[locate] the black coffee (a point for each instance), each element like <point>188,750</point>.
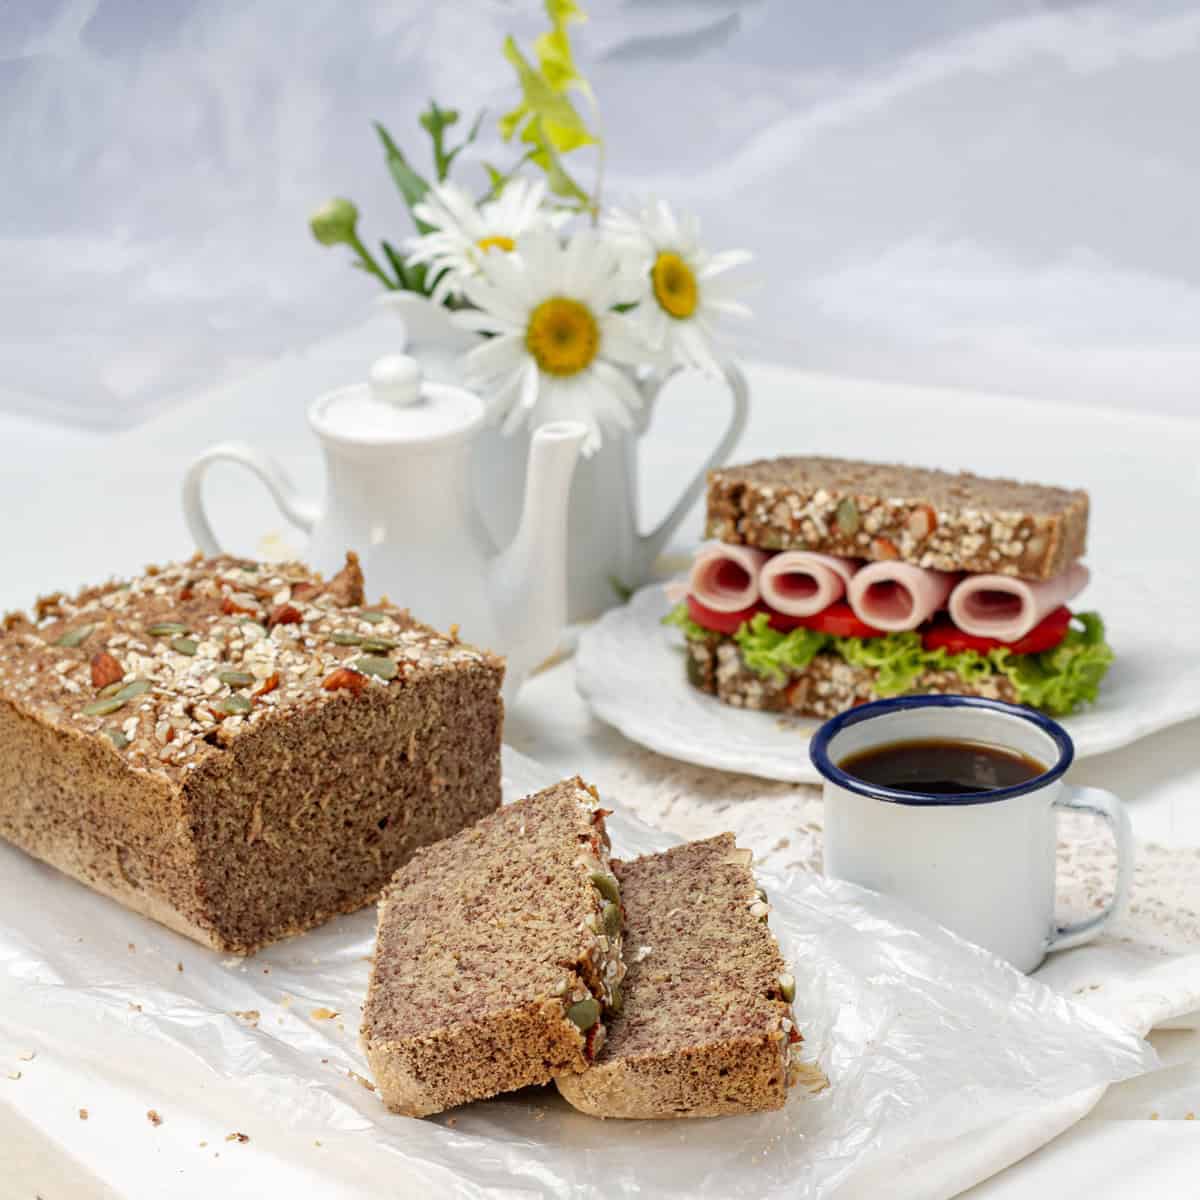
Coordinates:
<point>941,767</point>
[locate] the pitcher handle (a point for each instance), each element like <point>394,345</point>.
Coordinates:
<point>650,544</point>
<point>1105,805</point>
<point>300,512</point>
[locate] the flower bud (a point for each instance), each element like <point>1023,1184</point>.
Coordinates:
<point>334,221</point>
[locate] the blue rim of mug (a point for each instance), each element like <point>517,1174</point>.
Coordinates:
<point>819,749</point>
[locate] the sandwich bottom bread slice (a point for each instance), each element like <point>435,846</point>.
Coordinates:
<point>498,955</point>
<point>705,1026</point>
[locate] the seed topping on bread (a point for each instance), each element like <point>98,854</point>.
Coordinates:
<point>171,666</point>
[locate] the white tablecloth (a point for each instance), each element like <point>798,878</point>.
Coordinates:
<point>79,507</point>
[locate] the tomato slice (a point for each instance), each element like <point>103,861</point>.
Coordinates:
<point>839,620</point>
<point>1044,636</point>
<point>719,622</point>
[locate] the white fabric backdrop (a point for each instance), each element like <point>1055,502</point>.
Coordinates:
<point>996,193</point>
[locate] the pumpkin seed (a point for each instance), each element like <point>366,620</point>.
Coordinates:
<point>606,885</point>
<point>617,1002</point>
<point>118,739</point>
<point>135,687</point>
<point>376,645</point>
<point>584,1013</point>
<point>343,637</point>
<point>372,618</point>
<point>102,708</point>
<point>235,679</point>
<point>233,706</point>
<point>787,987</point>
<point>166,629</point>
<point>612,919</point>
<point>847,516</point>
<point>111,689</point>
<point>383,668</point>
<point>182,645</point>
<point>73,637</point>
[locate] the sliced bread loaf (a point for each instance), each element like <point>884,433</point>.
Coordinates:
<point>498,952</point>
<point>706,1026</point>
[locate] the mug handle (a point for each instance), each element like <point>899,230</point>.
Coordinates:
<point>1107,806</point>
<point>302,513</point>
<point>650,544</point>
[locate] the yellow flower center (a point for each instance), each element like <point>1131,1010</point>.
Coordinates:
<point>562,336</point>
<point>496,241</point>
<point>675,286</point>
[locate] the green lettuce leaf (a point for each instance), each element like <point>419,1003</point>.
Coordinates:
<point>1056,681</point>
<point>769,652</point>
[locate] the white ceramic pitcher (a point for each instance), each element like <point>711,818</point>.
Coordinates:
<point>607,554</point>
<point>398,491</point>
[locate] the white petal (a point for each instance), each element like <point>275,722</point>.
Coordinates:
<point>483,322</point>
<point>497,356</point>
<point>725,261</point>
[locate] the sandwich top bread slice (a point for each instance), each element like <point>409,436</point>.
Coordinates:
<point>950,521</point>
<point>706,1025</point>
<point>837,582</point>
<point>498,956</point>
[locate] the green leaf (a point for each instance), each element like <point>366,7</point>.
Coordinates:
<point>553,119</point>
<point>558,179</point>
<point>412,186</point>
<point>1056,681</point>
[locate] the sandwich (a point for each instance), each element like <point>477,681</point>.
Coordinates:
<point>705,1026</point>
<point>498,956</point>
<point>832,582</point>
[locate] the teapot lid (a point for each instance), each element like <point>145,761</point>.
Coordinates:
<point>396,405</point>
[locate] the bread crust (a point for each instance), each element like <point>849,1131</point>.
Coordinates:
<point>827,686</point>
<point>936,519</point>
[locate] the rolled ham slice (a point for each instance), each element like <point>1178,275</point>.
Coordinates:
<point>725,578</point>
<point>998,606</point>
<point>896,596</point>
<point>801,583</point>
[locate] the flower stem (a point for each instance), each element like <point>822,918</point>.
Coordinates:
<point>369,264</point>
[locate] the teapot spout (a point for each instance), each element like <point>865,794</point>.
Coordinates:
<point>529,578</point>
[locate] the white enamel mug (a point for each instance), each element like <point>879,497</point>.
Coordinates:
<point>981,864</point>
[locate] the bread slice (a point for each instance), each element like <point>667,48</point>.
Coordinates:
<point>498,952</point>
<point>239,751</point>
<point>706,1025</point>
<point>938,519</point>
<point>827,686</point>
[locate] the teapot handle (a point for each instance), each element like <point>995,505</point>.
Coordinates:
<point>302,513</point>
<point>650,545</point>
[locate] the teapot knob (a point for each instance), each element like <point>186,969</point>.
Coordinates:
<point>395,379</point>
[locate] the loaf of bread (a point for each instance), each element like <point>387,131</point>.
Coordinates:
<point>706,1025</point>
<point>937,519</point>
<point>498,954</point>
<point>239,751</point>
<point>828,685</point>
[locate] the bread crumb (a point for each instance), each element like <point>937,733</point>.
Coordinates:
<point>361,1079</point>
<point>285,1000</point>
<point>1154,1116</point>
<point>27,1055</point>
<point>153,1117</point>
<point>132,948</point>
<point>135,1007</point>
<point>1189,1116</point>
<point>237,1137</point>
<point>316,1143</point>
<point>323,1014</point>
<point>452,1122</point>
<point>203,1145</point>
<point>179,966</point>
<point>14,1074</point>
<point>249,1015</point>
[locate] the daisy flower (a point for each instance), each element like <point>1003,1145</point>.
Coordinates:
<point>557,347</point>
<point>465,232</point>
<point>684,292</point>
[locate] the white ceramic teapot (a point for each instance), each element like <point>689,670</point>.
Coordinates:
<point>398,491</point>
<point>607,554</point>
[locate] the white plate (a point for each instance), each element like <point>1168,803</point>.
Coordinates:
<point>630,671</point>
